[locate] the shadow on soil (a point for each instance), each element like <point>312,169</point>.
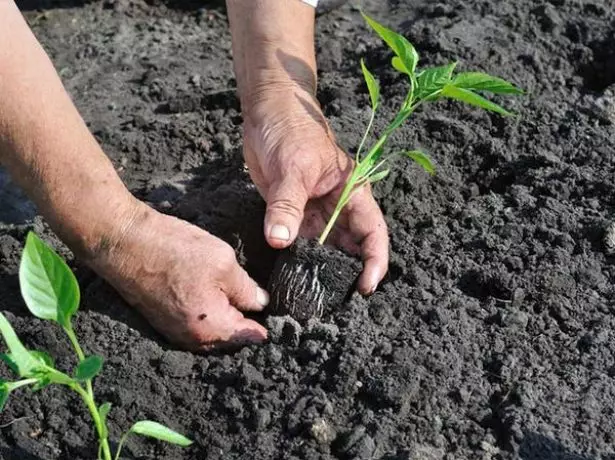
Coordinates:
<point>538,447</point>
<point>16,454</point>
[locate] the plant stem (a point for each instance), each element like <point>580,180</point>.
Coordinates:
<point>100,428</point>
<point>73,339</point>
<point>344,197</point>
<point>369,128</point>
<point>88,397</point>
<point>21,383</point>
<point>121,445</point>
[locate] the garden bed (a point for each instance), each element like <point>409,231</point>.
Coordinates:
<point>492,336</point>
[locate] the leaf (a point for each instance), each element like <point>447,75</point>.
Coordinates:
<point>157,431</point>
<point>4,394</point>
<point>27,365</point>
<point>469,97</point>
<point>398,65</point>
<point>43,357</point>
<point>10,362</point>
<point>408,57</point>
<point>48,286</point>
<point>103,411</point>
<point>422,159</point>
<point>379,176</point>
<point>43,382</point>
<point>88,368</point>
<point>431,81</point>
<point>479,81</point>
<point>372,85</point>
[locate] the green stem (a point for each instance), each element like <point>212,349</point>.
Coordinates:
<point>21,383</point>
<point>121,445</point>
<point>369,128</point>
<point>88,397</point>
<point>100,428</point>
<point>73,339</point>
<point>338,208</point>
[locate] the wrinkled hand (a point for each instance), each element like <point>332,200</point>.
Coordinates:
<point>300,171</point>
<point>186,282</point>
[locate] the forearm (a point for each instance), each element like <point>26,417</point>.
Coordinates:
<point>48,149</point>
<point>273,46</point>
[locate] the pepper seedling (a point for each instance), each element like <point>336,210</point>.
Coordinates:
<point>51,292</point>
<point>426,85</point>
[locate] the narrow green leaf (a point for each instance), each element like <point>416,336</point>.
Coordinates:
<point>422,159</point>
<point>157,431</point>
<point>48,286</point>
<point>408,57</point>
<point>27,365</point>
<point>372,85</point>
<point>469,97</point>
<point>103,411</point>
<point>4,394</point>
<point>479,81</point>
<point>431,81</point>
<point>10,362</point>
<point>88,368</point>
<point>379,176</point>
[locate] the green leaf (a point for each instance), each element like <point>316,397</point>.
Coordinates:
<point>48,286</point>
<point>408,57</point>
<point>27,365</point>
<point>422,159</point>
<point>43,382</point>
<point>431,81</point>
<point>88,368</point>
<point>372,85</point>
<point>4,394</point>
<point>398,65</point>
<point>469,97</point>
<point>479,81</point>
<point>157,431</point>
<point>103,411</point>
<point>379,176</point>
<point>10,362</point>
<point>43,357</point>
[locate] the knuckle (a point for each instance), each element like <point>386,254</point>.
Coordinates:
<point>224,255</point>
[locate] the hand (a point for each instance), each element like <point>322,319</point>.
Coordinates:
<point>186,282</point>
<point>300,172</point>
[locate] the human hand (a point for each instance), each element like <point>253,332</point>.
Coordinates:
<point>300,171</point>
<point>186,282</point>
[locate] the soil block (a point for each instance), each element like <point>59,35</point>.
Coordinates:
<point>309,279</point>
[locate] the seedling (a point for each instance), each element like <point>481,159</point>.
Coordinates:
<point>426,85</point>
<point>51,292</point>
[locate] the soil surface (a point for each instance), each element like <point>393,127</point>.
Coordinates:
<point>493,335</point>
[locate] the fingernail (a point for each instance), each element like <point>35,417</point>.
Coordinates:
<point>374,284</point>
<point>280,232</point>
<point>262,297</point>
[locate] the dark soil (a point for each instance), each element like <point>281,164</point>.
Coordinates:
<point>492,337</point>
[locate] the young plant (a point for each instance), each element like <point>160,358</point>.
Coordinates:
<point>51,292</point>
<point>426,85</point>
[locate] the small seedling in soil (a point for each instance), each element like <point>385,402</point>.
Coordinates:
<point>51,292</point>
<point>296,285</point>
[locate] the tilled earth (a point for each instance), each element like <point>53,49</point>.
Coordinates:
<point>492,337</point>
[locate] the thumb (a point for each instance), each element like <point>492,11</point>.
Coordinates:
<point>286,202</point>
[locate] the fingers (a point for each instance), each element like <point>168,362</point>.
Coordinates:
<point>367,223</point>
<point>224,326</point>
<point>243,292</point>
<point>286,200</point>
